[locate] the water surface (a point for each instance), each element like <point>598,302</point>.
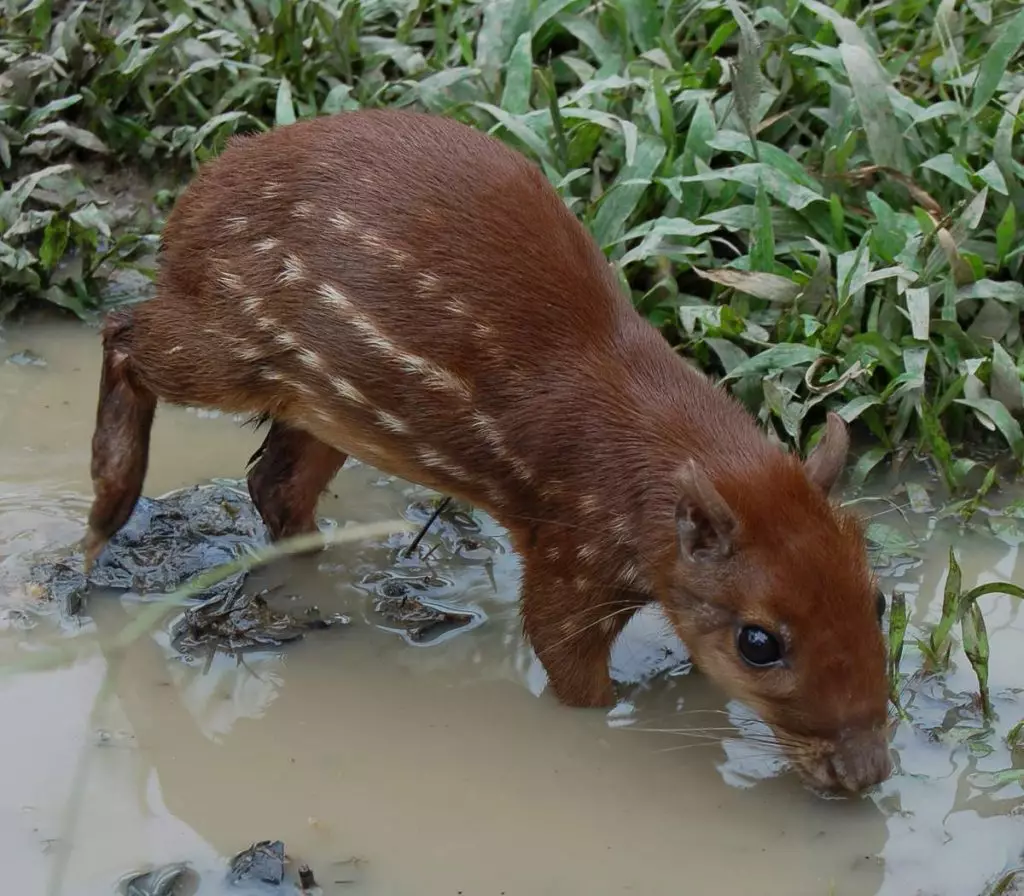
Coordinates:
<point>446,768</point>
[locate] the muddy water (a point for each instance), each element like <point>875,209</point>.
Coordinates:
<point>396,769</point>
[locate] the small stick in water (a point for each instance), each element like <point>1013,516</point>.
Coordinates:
<point>419,537</point>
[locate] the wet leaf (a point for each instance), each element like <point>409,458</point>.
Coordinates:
<point>996,413</point>
<point>976,648</point>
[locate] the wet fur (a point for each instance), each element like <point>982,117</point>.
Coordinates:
<point>646,481</point>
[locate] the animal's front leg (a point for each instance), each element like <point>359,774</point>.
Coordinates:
<point>572,628</point>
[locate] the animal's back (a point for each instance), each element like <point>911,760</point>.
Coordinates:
<point>404,287</point>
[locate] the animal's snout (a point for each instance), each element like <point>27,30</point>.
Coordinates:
<point>861,760</point>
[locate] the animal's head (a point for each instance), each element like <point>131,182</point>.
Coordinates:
<point>773,594</point>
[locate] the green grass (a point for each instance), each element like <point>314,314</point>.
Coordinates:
<point>820,202</point>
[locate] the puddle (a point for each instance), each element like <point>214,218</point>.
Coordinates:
<point>394,765</point>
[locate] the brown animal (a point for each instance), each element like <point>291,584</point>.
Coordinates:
<point>405,289</point>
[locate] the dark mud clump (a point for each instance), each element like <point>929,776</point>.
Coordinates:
<point>165,543</point>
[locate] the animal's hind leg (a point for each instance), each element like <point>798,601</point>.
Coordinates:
<point>289,472</point>
<point>120,442</point>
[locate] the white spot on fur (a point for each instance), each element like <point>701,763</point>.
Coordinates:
<point>587,552</point>
<point>620,525</point>
<point>333,296</point>
<point>235,224</point>
<point>270,190</point>
<point>569,628</point>
<point>427,282</point>
<point>175,350</point>
<point>553,553</point>
<point>252,304</point>
<point>431,373</point>
<point>247,352</point>
<point>629,574</point>
<point>400,259</point>
<point>344,388</point>
<point>391,422</point>
<point>231,282</point>
<point>589,504</point>
<point>455,306</point>
<point>286,339</point>
<point>488,428</point>
<point>343,221</point>
<point>581,583</point>
<point>268,244</point>
<point>609,624</point>
<point>436,461</point>
<point>304,209</point>
<point>483,331</point>
<point>372,335</point>
<point>372,241</point>
<point>311,359</point>
<point>267,323</point>
<point>291,269</point>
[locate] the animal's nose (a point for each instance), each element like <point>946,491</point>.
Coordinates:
<point>861,760</point>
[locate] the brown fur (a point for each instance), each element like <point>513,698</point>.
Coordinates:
<point>302,263</point>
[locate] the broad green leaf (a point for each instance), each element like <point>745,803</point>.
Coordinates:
<point>622,197</point>
<point>778,357</point>
<point>997,414</point>
<point>1008,40</point>
<point>284,110</point>
<point>1002,290</point>
<point>503,22</point>
<point>1002,148</point>
<point>770,287</point>
<point>1005,385</point>
<point>1006,232</point>
<point>762,250</point>
<point>871,94</point>
<point>946,165</point>
<point>519,76</point>
<point>777,184</point>
<point>746,86</point>
<point>520,130</point>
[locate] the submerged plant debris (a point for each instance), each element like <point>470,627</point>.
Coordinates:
<point>166,542</point>
<point>395,601</point>
<point>263,861</point>
<point>451,524</point>
<point>176,879</point>
<point>261,867</point>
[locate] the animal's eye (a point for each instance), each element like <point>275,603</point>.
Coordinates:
<point>758,647</point>
<point>880,606</point>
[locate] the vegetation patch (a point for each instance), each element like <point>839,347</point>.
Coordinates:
<point>820,203</point>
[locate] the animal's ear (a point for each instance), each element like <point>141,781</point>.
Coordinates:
<point>705,522</point>
<point>825,463</point>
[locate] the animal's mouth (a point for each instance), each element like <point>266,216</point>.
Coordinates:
<point>850,765</point>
